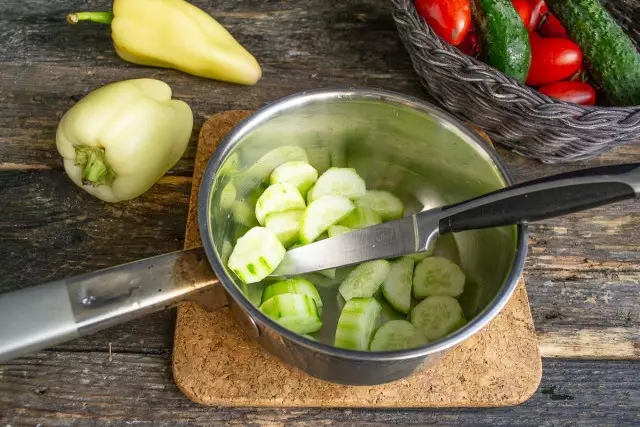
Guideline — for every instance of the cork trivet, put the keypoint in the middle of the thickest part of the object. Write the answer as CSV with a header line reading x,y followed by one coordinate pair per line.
x,y
214,363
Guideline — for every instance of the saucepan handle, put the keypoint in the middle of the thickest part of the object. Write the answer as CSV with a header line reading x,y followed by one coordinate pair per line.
x,y
41,316
544,198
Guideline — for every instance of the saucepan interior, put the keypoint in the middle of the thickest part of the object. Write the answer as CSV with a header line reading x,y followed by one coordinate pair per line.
x,y
395,143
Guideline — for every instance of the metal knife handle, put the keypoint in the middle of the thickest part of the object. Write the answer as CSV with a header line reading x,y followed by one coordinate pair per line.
x,y
544,198
45,315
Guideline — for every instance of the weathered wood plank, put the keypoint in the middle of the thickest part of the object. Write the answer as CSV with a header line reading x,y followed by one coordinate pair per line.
x,y
91,389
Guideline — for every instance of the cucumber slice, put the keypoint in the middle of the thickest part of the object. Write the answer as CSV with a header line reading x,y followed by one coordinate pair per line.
x,y
256,255
437,316
397,335
360,218
437,276
295,285
397,286
357,322
261,169
387,205
338,230
322,213
286,225
299,174
343,182
296,312
227,196
364,280
330,273
419,256
278,198
243,214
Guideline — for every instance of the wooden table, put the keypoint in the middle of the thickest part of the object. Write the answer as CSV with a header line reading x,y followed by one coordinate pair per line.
x,y
583,270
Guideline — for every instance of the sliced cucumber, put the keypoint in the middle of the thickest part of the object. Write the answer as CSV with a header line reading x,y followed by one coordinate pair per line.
x,y
437,276
256,255
437,316
243,214
343,182
419,256
299,174
296,312
286,225
227,196
387,205
360,218
364,280
397,286
321,214
261,169
338,230
329,273
397,335
357,322
278,198
295,285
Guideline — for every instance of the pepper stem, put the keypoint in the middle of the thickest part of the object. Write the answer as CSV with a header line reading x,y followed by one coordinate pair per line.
x,y
95,169
99,17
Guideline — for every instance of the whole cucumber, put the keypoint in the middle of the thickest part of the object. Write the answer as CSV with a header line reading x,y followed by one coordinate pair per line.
x,y
612,59
505,40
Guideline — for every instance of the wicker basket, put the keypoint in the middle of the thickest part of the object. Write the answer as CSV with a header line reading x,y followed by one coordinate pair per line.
x,y
531,123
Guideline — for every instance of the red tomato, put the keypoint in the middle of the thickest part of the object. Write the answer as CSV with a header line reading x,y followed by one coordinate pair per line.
x,y
538,11
576,92
524,9
471,44
450,19
551,27
552,60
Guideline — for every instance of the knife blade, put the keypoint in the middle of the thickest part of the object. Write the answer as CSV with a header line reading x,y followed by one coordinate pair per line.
x,y
391,239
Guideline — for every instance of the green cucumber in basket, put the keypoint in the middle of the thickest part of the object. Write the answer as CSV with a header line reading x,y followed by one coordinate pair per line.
x,y
437,276
505,39
296,312
397,335
358,320
612,59
437,317
295,285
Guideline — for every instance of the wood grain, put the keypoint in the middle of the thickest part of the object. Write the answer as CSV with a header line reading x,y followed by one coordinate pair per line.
x,y
61,389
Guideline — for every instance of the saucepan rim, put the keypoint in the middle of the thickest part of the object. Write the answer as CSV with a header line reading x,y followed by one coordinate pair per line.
x,y
352,92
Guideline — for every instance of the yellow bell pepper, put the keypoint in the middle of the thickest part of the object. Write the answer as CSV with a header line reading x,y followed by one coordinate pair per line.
x,y
175,34
121,138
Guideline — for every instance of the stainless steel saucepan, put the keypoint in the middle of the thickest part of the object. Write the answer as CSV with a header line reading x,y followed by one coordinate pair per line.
x,y
396,143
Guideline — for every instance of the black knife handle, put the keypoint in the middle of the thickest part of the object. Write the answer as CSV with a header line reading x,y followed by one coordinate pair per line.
x,y
544,198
